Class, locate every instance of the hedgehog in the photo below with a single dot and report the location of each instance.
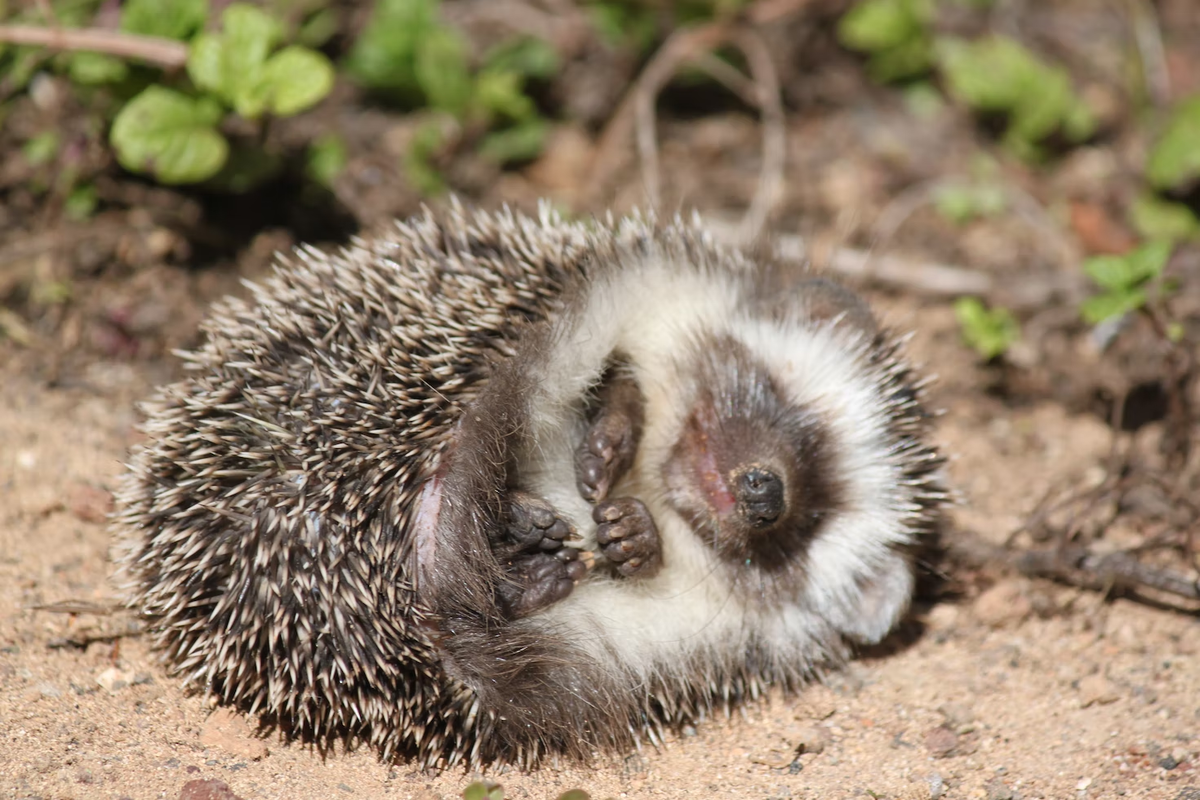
(501, 488)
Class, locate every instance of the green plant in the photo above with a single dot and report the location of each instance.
(1174, 160)
(167, 125)
(483, 790)
(1124, 280)
(174, 135)
(895, 35)
(407, 53)
(989, 332)
(998, 75)
(1155, 218)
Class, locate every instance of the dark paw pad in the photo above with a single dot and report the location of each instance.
(628, 537)
(537, 580)
(532, 525)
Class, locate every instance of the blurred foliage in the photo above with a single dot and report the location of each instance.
(895, 34)
(989, 332)
(999, 75)
(1123, 280)
(407, 53)
(991, 75)
(1174, 161)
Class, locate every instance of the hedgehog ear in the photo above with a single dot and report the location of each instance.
(882, 599)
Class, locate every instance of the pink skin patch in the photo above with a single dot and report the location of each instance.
(425, 524)
(708, 476)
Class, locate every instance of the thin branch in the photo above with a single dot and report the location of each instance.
(682, 45)
(770, 182)
(923, 277)
(166, 53)
(1147, 35)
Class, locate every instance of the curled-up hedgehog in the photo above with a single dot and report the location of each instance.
(497, 488)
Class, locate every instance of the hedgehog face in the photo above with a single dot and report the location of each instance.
(752, 472)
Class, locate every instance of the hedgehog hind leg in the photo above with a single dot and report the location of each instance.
(540, 568)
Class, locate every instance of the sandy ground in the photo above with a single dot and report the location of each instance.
(1029, 690)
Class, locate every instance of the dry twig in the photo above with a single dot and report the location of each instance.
(166, 53)
(636, 109)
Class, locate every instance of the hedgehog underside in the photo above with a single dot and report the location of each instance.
(311, 524)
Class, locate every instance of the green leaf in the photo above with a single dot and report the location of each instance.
(1155, 218)
(419, 168)
(1149, 260)
(41, 148)
(1129, 271)
(1109, 272)
(483, 790)
(524, 56)
(169, 135)
(171, 19)
(575, 794)
(498, 93)
(875, 25)
(326, 158)
(1111, 304)
(997, 74)
(894, 33)
(92, 69)
(81, 202)
(297, 78)
(1174, 160)
(231, 64)
(385, 54)
(442, 72)
(963, 202)
(520, 143)
(319, 28)
(247, 168)
(989, 332)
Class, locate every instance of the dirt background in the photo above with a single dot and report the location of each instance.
(999, 687)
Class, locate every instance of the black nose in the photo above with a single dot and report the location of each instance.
(759, 496)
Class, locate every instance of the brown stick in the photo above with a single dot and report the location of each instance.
(774, 154)
(680, 46)
(166, 53)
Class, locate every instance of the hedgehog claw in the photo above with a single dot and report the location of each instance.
(628, 537)
(538, 580)
(607, 451)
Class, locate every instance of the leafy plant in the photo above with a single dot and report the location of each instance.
(408, 53)
(483, 790)
(989, 332)
(1123, 280)
(1156, 218)
(1174, 161)
(895, 34)
(998, 75)
(962, 201)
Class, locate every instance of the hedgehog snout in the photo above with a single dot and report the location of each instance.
(760, 495)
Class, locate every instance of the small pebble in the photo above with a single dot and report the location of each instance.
(941, 742)
(113, 680)
(1097, 690)
(957, 715)
(207, 790)
(813, 739)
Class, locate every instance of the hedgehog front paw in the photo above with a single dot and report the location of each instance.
(537, 580)
(628, 537)
(610, 445)
(532, 525)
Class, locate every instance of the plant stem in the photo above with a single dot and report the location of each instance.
(166, 53)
